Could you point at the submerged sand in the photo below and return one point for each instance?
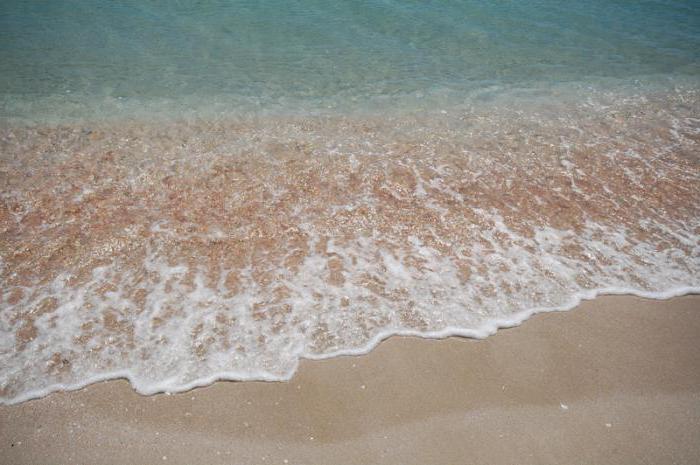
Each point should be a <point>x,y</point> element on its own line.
<point>177,253</point>
<point>614,381</point>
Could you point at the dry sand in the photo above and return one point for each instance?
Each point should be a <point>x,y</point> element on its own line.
<point>614,381</point>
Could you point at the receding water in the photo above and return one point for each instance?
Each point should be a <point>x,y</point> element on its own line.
<point>192,191</point>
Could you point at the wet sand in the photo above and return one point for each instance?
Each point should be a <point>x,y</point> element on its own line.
<point>615,381</point>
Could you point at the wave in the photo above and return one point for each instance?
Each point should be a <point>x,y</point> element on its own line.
<point>175,254</point>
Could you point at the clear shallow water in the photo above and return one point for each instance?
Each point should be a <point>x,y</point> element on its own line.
<point>78,58</point>
<point>216,191</point>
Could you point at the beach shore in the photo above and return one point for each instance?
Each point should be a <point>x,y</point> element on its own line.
<point>616,380</point>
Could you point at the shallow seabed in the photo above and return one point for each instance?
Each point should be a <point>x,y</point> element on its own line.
<point>175,253</point>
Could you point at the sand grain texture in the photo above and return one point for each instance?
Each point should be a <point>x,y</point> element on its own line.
<point>615,381</point>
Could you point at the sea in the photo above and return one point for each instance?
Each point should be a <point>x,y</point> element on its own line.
<point>193,191</point>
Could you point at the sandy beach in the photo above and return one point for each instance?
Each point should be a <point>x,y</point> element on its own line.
<point>360,232</point>
<point>614,381</point>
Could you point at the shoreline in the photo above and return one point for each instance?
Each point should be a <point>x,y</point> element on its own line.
<point>177,254</point>
<point>488,330</point>
<point>544,392</point>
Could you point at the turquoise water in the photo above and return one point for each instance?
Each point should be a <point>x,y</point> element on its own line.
<point>72,58</point>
